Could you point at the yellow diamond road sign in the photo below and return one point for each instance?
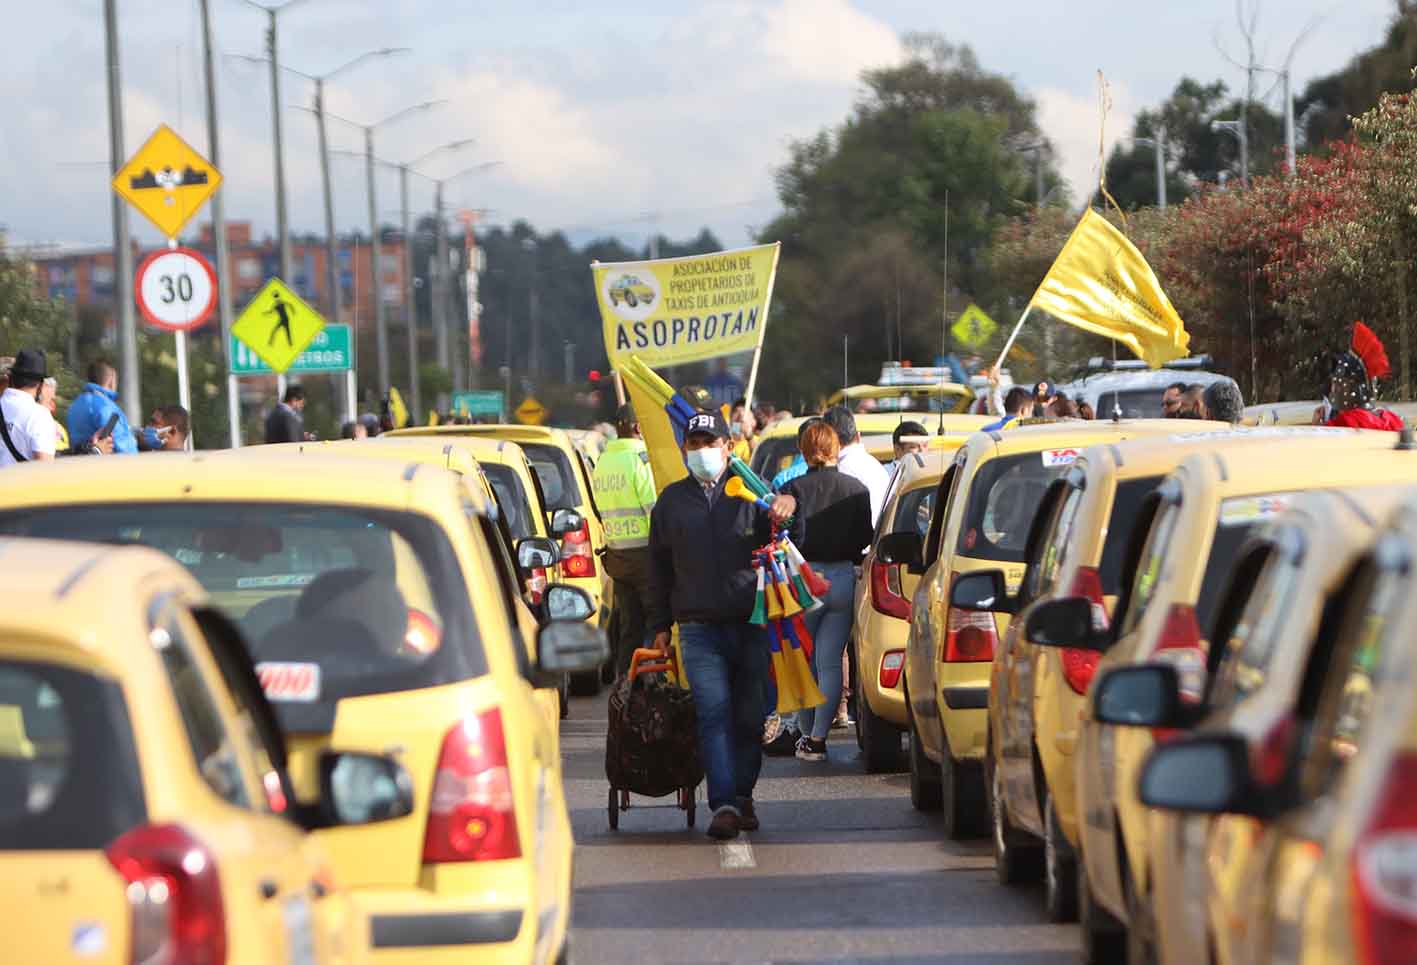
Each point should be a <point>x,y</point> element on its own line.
<point>167,181</point>
<point>973,328</point>
<point>277,325</point>
<point>531,412</point>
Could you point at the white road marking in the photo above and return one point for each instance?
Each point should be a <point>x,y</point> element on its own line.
<point>736,855</point>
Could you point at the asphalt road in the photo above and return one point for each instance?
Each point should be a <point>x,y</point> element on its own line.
<point>843,870</point>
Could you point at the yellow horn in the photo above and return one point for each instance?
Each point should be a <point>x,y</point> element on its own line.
<point>736,489</point>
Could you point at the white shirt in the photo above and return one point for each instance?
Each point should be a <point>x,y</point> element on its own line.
<point>859,464</point>
<point>32,428</point>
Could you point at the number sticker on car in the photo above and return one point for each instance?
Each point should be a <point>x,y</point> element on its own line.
<point>290,682</point>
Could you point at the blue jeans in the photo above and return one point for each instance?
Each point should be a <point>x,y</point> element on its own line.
<point>727,667</point>
<point>830,626</point>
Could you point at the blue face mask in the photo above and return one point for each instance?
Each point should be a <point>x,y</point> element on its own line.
<point>151,439</point>
<point>706,464</point>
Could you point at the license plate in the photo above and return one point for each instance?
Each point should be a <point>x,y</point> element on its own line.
<point>299,930</point>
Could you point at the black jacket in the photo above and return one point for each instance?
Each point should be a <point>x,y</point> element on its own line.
<point>836,509</point>
<point>702,558</point>
<point>284,424</point>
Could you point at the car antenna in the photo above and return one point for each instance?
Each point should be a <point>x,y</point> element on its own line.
<point>944,311</point>
<point>1116,397</point>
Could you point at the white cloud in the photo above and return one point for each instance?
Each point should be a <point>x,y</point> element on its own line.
<point>1072,122</point>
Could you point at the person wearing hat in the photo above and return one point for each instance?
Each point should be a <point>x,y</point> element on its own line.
<point>701,544</point>
<point>27,430</point>
<point>1044,393</point>
<point>625,495</point>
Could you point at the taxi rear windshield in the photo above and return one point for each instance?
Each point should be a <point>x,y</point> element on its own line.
<point>1005,494</point>
<point>69,775</point>
<point>556,474</point>
<point>1134,403</point>
<point>333,602</point>
<point>511,499</point>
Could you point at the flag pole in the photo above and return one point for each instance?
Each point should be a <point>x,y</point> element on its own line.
<point>1012,335</point>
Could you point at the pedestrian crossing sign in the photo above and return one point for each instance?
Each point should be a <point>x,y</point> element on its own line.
<point>973,328</point>
<point>277,325</point>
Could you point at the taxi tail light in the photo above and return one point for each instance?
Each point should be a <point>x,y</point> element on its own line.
<point>892,663</point>
<point>886,594</point>
<point>577,555</point>
<point>1180,646</point>
<point>1079,666</point>
<point>970,635</point>
<point>422,635</point>
<point>471,814</point>
<point>536,583</point>
<point>174,897</point>
<point>1384,871</point>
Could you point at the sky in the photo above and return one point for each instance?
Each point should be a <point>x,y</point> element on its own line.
<point>607,118</point>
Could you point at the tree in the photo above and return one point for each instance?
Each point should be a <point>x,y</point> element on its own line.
<point>1329,103</point>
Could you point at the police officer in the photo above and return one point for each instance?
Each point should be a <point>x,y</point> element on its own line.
<point>625,495</point>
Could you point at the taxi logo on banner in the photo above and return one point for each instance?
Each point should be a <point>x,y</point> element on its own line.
<point>632,295</point>
<point>278,325</point>
<point>167,180</point>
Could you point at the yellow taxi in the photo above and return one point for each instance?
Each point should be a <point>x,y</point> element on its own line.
<point>1334,788</point>
<point>920,400</point>
<point>777,447</point>
<point>881,621</point>
<point>1179,556</point>
<point>1036,693</point>
<point>1208,888</point>
<point>350,577</point>
<point>145,810</point>
<point>980,520</point>
<point>563,477</point>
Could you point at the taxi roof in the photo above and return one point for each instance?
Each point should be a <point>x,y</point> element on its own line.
<point>1077,434</point>
<point>923,468</point>
<point>501,430</point>
<point>1300,464</point>
<point>894,391</point>
<point>221,477</point>
<point>1151,455</point>
<point>884,423</point>
<point>1333,519</point>
<point>70,593</point>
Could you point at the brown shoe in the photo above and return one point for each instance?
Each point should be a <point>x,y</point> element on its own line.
<point>725,824</point>
<point>747,817</point>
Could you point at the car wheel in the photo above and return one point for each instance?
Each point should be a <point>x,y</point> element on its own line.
<point>1060,873</point>
<point>1103,940</point>
<point>962,798</point>
<point>879,739</point>
<point>924,777</point>
<point>630,299</point>
<point>1016,855</point>
<point>585,684</point>
<point>563,692</point>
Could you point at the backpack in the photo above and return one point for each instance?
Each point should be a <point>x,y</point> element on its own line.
<point>652,745</point>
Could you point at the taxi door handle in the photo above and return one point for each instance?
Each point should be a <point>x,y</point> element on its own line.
<point>269,889</point>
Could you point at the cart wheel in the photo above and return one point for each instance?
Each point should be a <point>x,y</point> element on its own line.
<point>614,810</point>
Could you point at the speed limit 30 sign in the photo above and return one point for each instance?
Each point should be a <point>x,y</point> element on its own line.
<point>176,289</point>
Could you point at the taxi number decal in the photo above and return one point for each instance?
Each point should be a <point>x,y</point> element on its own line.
<point>1241,510</point>
<point>290,682</point>
<point>1060,457</point>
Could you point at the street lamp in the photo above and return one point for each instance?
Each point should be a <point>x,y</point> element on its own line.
<point>1159,143</point>
<point>381,326</point>
<point>1283,74</point>
<point>1237,128</point>
<point>444,297</point>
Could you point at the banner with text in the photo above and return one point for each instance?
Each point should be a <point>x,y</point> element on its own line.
<point>677,310</point>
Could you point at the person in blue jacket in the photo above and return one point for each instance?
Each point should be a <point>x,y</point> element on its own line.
<point>95,404</point>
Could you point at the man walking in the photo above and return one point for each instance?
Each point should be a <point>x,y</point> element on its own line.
<point>701,544</point>
<point>96,404</point>
<point>28,432</point>
<point>855,461</point>
<point>286,423</point>
<point>625,496</point>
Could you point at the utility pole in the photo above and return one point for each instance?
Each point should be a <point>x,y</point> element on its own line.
<point>381,322</point>
<point>122,248</point>
<point>223,258</point>
<point>440,290</point>
<point>410,307</point>
<point>282,224</point>
<point>1159,143</point>
<point>331,243</point>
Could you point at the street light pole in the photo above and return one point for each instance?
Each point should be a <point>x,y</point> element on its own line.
<point>331,245</point>
<point>410,307</point>
<point>122,248</point>
<point>223,257</point>
<point>381,325</point>
<point>440,287</point>
<point>1159,143</point>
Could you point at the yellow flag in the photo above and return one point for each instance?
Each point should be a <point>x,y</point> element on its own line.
<point>1100,283</point>
<point>397,409</point>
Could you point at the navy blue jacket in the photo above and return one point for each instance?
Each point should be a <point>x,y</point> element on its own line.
<point>701,557</point>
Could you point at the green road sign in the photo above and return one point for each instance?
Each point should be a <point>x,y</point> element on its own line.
<point>329,351</point>
<point>485,402</point>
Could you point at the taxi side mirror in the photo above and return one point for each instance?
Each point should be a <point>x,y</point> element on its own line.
<point>1148,695</point>
<point>564,646</point>
<point>1066,622</point>
<point>982,591</point>
<point>362,788</point>
<point>906,548</point>
<point>566,602</point>
<point>1202,774</point>
<point>565,521</point>
<point>537,553</point>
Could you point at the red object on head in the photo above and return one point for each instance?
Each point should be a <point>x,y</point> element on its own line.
<point>1368,348</point>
